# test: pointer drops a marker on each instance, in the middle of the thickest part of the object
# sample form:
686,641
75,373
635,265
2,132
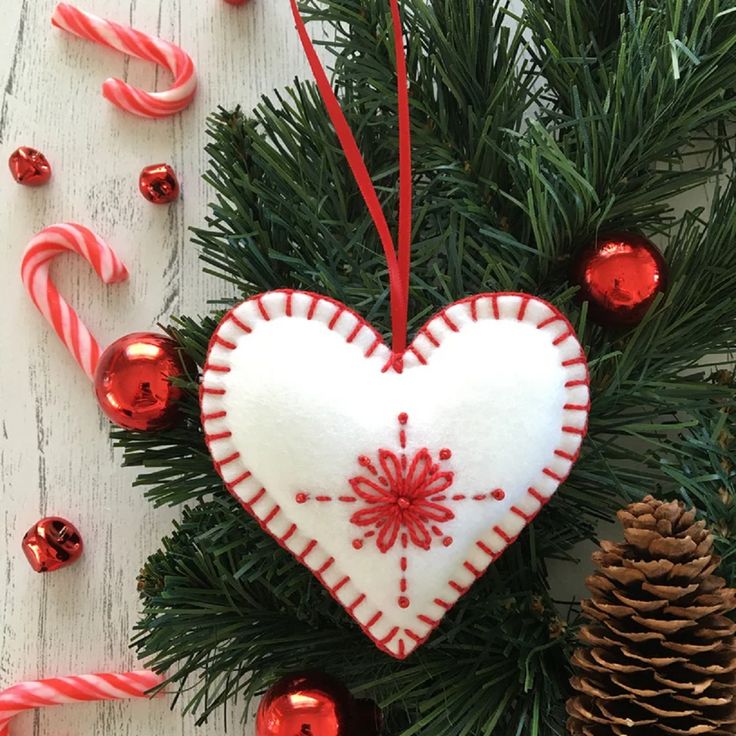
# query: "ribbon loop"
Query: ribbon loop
398,260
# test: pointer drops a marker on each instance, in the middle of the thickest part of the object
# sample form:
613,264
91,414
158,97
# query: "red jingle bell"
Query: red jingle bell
29,167
158,184
620,276
51,544
310,704
133,381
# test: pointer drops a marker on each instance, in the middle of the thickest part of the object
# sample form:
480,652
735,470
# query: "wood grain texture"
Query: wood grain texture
55,456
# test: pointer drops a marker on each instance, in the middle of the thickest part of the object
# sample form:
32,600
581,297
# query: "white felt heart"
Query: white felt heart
397,482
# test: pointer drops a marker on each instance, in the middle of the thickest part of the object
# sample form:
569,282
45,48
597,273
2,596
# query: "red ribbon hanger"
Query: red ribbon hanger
398,260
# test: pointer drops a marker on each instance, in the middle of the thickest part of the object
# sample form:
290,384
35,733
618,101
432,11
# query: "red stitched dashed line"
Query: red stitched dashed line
214,391
374,619
213,416
561,338
288,303
474,309
420,357
573,430
356,603
413,636
240,479
307,550
347,499
522,308
565,455
217,368
402,649
449,322
323,499
241,325
548,321
536,494
262,308
485,548
391,634
551,474
219,436
275,511
341,584
229,459
326,566
442,604
494,302
331,324
427,620
521,514
225,343
572,384
289,533
372,348
354,333
430,337
473,570
257,497
459,588
312,307
501,533
576,407
573,361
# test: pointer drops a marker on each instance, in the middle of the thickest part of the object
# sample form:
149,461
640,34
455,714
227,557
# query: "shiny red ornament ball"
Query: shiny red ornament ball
29,167
620,276
310,704
158,184
51,544
132,381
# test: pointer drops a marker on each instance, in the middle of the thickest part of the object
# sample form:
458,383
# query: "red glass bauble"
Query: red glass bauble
309,704
158,184
133,385
620,276
29,167
51,544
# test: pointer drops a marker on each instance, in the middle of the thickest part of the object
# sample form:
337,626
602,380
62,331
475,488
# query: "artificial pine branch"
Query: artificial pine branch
530,135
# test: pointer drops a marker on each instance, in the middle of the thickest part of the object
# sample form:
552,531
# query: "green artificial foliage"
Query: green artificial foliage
532,132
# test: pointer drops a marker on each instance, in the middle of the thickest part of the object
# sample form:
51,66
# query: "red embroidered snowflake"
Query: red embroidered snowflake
403,498
402,495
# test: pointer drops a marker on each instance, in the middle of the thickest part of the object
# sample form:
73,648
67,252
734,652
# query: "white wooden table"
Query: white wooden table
55,456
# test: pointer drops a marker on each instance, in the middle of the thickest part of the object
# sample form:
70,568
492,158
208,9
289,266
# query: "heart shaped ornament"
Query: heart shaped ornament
397,482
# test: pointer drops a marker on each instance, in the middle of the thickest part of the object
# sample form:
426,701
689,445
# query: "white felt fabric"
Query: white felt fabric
297,388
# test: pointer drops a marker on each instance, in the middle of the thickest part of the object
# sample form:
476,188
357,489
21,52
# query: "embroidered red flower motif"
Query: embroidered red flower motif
402,497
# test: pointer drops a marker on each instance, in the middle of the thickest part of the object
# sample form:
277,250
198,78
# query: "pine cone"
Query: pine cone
658,655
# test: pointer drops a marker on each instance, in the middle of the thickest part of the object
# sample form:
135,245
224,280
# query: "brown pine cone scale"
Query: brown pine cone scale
658,654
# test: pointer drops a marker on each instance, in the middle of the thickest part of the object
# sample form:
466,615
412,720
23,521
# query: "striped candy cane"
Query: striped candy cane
37,258
63,690
141,45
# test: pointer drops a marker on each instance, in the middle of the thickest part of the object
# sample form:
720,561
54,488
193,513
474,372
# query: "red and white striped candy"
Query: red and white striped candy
143,46
63,690
37,258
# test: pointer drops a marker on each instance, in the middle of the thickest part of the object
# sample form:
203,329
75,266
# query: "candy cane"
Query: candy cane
141,45
63,690
37,258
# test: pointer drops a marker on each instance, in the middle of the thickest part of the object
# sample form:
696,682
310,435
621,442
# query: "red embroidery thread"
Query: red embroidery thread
403,500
